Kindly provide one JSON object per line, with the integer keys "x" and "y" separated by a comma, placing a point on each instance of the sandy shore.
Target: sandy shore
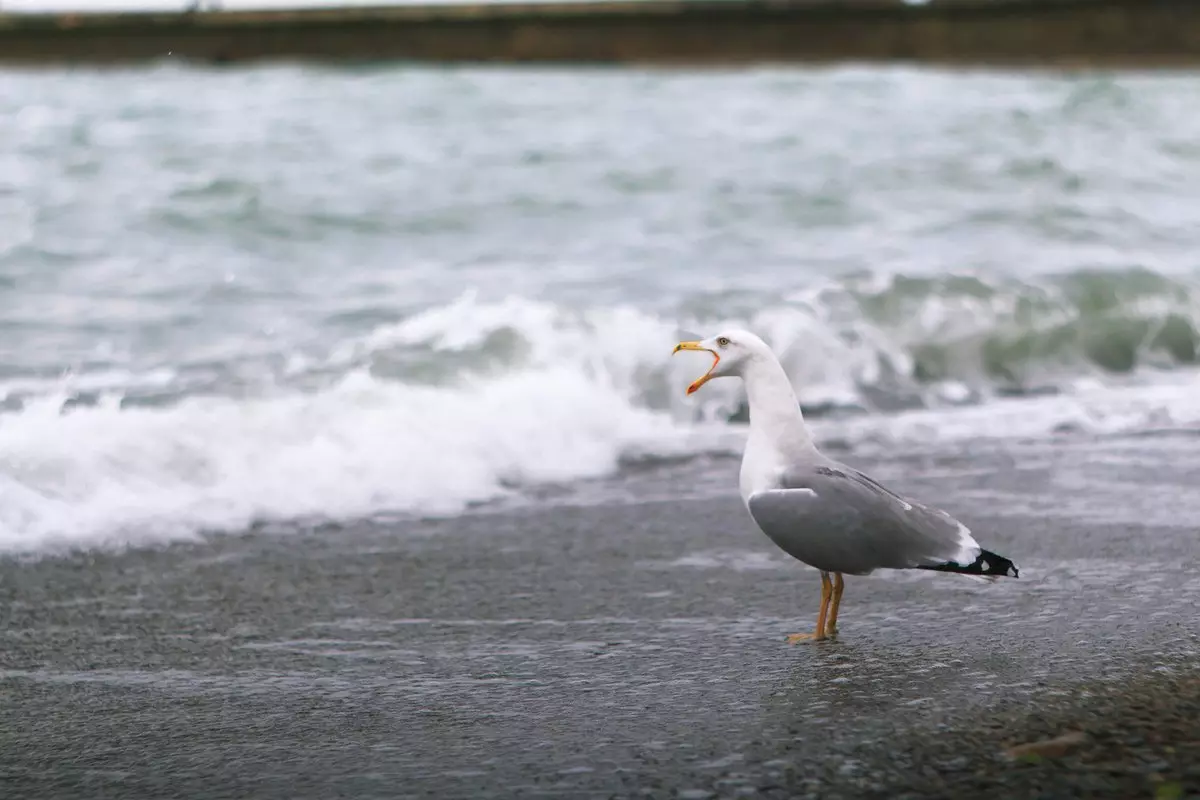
{"x": 620, "y": 650}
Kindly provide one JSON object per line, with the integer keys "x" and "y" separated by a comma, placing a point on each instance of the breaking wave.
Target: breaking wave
{"x": 477, "y": 399}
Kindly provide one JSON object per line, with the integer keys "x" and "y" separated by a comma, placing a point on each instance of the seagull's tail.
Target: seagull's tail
{"x": 987, "y": 565}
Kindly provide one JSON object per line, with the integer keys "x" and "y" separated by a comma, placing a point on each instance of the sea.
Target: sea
{"x": 240, "y": 299}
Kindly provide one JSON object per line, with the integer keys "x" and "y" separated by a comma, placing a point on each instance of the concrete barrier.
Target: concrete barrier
{"x": 985, "y": 32}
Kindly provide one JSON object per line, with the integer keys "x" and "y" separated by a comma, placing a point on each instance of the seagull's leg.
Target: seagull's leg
{"x": 826, "y": 591}
{"x": 838, "y": 586}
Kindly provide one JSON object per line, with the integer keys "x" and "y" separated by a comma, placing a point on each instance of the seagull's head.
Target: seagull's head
{"x": 732, "y": 351}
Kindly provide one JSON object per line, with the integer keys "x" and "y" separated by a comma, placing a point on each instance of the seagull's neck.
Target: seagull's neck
{"x": 775, "y": 417}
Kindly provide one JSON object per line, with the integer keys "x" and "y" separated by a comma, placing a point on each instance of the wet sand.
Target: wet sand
{"x": 630, "y": 650}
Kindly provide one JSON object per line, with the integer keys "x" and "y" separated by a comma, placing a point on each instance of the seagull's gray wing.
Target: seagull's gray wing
{"x": 837, "y": 519}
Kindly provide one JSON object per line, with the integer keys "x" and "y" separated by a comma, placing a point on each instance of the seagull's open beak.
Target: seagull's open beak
{"x": 703, "y": 379}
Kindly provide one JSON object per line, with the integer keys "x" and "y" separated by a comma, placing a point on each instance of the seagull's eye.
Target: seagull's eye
{"x": 724, "y": 340}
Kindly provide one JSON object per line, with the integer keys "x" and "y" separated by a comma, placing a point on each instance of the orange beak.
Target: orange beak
{"x": 703, "y": 379}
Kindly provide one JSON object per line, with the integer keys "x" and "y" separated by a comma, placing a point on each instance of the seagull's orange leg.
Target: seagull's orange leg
{"x": 838, "y": 586}
{"x": 826, "y": 592}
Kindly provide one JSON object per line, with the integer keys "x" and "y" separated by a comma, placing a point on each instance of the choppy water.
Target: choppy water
{"x": 246, "y": 294}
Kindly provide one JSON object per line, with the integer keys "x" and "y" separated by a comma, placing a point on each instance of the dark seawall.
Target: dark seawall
{"x": 1136, "y": 33}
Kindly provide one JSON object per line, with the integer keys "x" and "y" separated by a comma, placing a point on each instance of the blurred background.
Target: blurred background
{"x": 268, "y": 293}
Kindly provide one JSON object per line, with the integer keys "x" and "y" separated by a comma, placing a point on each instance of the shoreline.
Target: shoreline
{"x": 608, "y": 650}
{"x": 1010, "y": 33}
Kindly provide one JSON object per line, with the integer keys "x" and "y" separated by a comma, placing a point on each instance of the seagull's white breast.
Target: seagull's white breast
{"x": 762, "y": 467}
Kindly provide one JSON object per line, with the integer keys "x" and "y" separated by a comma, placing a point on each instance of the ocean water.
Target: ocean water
{"x": 272, "y": 295}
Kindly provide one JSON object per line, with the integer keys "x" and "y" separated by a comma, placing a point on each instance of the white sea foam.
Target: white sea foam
{"x": 103, "y": 475}
{"x": 1085, "y": 407}
{"x": 571, "y": 395}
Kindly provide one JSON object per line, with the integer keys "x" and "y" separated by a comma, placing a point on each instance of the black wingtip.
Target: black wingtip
{"x": 987, "y": 563}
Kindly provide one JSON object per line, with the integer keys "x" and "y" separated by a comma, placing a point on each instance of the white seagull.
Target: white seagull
{"x": 819, "y": 511}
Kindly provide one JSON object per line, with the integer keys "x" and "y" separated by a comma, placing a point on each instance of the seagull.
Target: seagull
{"x": 819, "y": 511}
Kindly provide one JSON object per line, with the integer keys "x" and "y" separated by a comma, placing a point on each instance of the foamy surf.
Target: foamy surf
{"x": 104, "y": 475}
{"x": 479, "y": 400}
